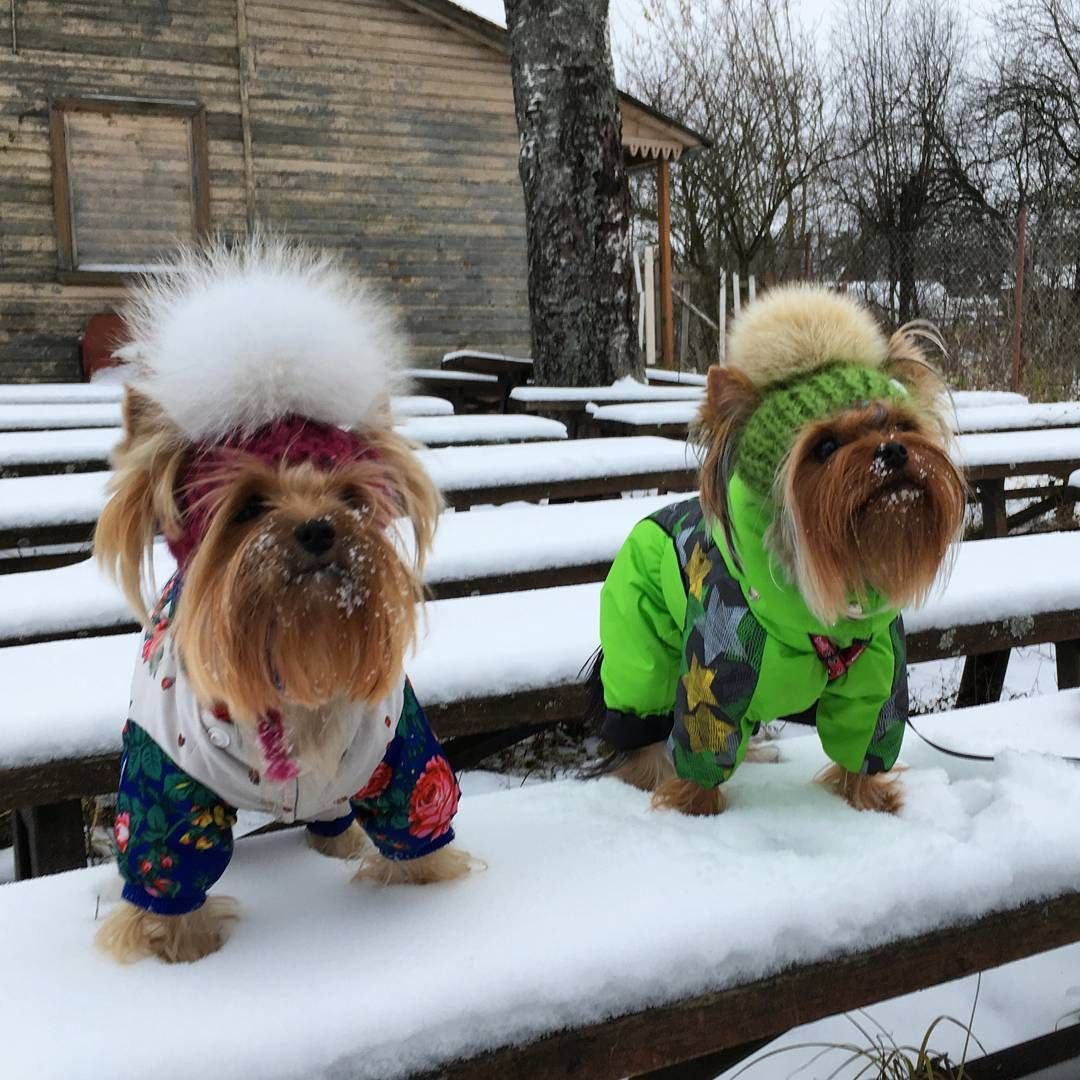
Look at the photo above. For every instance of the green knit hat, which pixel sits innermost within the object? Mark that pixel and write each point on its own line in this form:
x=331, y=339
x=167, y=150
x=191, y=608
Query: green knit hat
x=788, y=407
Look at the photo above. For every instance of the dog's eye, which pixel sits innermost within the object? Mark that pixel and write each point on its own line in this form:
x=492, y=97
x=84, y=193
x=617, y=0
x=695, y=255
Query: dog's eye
x=826, y=448
x=352, y=497
x=254, y=506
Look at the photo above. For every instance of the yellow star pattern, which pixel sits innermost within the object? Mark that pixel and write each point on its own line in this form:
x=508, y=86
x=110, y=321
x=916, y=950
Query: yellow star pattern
x=698, y=685
x=707, y=731
x=697, y=570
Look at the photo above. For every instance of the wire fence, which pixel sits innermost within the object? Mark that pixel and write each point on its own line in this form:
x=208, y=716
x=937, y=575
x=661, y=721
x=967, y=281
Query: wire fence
x=1003, y=327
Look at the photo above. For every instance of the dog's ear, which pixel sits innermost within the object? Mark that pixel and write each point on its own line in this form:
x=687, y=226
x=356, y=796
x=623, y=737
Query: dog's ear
x=730, y=398
x=146, y=464
x=908, y=364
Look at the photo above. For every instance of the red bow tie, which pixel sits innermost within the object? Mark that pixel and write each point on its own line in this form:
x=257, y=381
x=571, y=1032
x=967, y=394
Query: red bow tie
x=835, y=659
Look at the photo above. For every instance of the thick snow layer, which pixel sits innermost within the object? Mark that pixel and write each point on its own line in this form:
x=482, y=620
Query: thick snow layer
x=465, y=429
x=51, y=447
x=1016, y=448
x=682, y=378
x=473, y=354
x=438, y=375
x=973, y=399
x=409, y=978
x=623, y=390
x=646, y=414
x=52, y=500
x=476, y=466
x=61, y=415
x=59, y=393
x=83, y=715
x=420, y=405
x=1019, y=417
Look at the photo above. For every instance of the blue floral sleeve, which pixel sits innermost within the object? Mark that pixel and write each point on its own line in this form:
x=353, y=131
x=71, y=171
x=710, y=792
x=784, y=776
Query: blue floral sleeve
x=409, y=803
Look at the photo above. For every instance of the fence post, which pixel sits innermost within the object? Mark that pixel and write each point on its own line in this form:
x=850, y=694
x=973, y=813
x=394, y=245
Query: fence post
x=640, y=301
x=721, y=321
x=1018, y=299
x=736, y=295
x=751, y=283
x=650, y=309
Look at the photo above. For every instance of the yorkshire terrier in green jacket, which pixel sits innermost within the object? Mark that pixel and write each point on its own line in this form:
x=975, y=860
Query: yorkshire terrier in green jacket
x=828, y=502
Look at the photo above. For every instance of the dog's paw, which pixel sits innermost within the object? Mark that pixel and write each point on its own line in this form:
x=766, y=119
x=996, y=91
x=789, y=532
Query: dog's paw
x=762, y=753
x=645, y=768
x=130, y=933
x=351, y=844
x=688, y=798
x=882, y=793
x=443, y=865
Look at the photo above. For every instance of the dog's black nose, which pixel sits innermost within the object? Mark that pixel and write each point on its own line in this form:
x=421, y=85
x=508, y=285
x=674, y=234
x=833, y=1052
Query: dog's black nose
x=893, y=455
x=315, y=537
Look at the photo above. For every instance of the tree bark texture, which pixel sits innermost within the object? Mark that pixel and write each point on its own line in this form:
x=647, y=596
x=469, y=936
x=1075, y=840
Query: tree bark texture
x=577, y=202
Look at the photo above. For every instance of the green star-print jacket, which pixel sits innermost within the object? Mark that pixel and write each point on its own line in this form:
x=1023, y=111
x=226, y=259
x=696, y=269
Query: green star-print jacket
x=716, y=648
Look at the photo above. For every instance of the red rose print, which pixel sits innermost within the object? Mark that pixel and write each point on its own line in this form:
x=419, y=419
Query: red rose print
x=168, y=682
x=161, y=884
x=145, y=867
x=122, y=831
x=166, y=862
x=434, y=799
x=378, y=783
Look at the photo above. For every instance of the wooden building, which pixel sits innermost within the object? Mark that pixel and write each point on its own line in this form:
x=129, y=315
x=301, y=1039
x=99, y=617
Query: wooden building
x=383, y=128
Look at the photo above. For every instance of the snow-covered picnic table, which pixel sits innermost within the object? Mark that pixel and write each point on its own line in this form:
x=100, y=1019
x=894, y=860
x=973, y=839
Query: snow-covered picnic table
x=323, y=978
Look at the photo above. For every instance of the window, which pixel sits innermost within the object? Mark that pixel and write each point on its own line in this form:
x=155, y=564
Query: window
x=130, y=178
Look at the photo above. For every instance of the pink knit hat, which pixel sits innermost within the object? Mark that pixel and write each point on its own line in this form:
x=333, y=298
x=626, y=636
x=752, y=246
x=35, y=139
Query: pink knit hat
x=291, y=440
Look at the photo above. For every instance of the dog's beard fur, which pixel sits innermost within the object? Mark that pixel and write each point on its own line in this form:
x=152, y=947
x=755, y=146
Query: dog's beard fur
x=853, y=524
x=263, y=625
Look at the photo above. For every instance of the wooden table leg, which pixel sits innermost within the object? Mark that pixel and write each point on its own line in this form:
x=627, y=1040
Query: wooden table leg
x=983, y=679
x=48, y=839
x=1067, y=654
x=992, y=501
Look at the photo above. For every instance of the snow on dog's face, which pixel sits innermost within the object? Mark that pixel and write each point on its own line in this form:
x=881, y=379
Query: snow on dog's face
x=296, y=589
x=870, y=501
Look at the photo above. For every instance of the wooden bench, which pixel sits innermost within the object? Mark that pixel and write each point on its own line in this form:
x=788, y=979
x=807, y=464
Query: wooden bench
x=39, y=511
x=62, y=743
x=45, y=453
x=499, y=981
x=508, y=371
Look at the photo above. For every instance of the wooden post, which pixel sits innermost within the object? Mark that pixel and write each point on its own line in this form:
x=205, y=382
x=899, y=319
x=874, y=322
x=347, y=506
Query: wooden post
x=736, y=294
x=684, y=324
x=667, y=301
x=721, y=320
x=1018, y=296
x=48, y=839
x=640, y=302
x=751, y=283
x=650, y=309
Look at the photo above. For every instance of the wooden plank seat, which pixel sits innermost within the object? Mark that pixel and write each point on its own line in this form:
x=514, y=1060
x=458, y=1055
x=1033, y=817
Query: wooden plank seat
x=514, y=548
x=83, y=393
x=672, y=419
x=44, y=453
x=37, y=511
x=63, y=738
x=739, y=927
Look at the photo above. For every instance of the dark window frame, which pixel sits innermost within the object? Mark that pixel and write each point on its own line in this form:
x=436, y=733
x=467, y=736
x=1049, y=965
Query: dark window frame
x=68, y=271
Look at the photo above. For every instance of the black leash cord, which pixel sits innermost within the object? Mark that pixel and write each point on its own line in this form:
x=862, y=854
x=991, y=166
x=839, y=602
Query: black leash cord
x=975, y=757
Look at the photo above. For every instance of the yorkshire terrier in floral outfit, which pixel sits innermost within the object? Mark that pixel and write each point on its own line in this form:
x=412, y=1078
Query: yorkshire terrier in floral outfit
x=258, y=440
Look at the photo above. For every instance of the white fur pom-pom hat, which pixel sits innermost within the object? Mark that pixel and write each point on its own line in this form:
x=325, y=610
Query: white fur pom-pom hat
x=232, y=338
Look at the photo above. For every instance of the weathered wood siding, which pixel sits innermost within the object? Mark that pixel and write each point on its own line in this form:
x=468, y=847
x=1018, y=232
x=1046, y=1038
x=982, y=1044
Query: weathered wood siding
x=374, y=129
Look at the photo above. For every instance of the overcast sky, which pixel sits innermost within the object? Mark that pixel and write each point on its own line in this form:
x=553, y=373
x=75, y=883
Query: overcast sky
x=627, y=19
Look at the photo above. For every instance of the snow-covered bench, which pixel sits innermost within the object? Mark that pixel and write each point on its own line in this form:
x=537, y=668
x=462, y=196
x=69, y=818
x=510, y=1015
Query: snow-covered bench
x=672, y=419
x=514, y=548
x=37, y=511
x=78, y=450
x=602, y=940
x=104, y=412
x=65, y=697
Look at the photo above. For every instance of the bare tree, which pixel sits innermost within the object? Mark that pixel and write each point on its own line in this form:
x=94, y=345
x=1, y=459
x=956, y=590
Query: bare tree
x=898, y=84
x=745, y=74
x=577, y=203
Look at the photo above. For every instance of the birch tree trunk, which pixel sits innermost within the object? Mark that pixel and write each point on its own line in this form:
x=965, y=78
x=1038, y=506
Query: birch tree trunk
x=577, y=203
